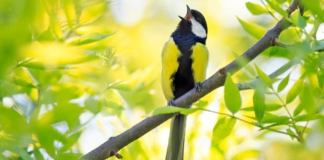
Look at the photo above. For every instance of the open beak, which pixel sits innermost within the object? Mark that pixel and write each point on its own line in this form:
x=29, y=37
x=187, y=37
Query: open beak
x=188, y=16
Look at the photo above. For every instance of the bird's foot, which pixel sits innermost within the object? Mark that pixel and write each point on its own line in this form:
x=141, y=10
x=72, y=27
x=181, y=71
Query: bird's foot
x=171, y=102
x=198, y=87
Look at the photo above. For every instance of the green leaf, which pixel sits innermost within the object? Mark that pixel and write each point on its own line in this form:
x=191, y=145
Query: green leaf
x=307, y=129
x=254, y=30
x=42, y=66
x=258, y=102
x=92, y=105
x=297, y=19
x=22, y=153
x=255, y=9
x=92, y=13
x=294, y=91
x=290, y=35
x=269, y=107
x=201, y=104
x=23, y=82
x=271, y=118
x=289, y=131
x=38, y=155
x=307, y=98
x=166, y=110
x=88, y=38
x=171, y=109
x=70, y=156
x=281, y=1
x=222, y=129
x=307, y=117
x=317, y=45
x=299, y=109
x=232, y=95
x=282, y=85
x=275, y=6
x=187, y=111
x=264, y=77
x=71, y=140
x=315, y=6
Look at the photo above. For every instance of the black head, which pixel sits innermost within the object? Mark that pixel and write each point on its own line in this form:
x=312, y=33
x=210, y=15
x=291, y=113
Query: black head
x=194, y=22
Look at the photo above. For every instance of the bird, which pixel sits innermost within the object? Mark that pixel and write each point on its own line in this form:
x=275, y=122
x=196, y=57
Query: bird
x=184, y=65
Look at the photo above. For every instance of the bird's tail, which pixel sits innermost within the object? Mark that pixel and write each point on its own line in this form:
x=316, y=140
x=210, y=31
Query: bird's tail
x=177, y=138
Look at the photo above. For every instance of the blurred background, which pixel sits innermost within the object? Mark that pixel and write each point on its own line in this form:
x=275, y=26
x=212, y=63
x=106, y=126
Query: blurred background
x=75, y=72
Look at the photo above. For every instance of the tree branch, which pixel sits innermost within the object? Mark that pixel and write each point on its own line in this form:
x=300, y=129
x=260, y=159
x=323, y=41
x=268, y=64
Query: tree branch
x=114, y=144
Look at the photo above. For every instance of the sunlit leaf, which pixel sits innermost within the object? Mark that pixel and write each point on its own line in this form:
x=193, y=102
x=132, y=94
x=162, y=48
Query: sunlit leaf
x=201, y=104
x=271, y=118
x=232, y=95
x=166, y=110
x=265, y=78
x=303, y=128
x=56, y=28
x=70, y=156
x=294, y=91
x=88, y=38
x=23, y=153
x=253, y=29
x=71, y=140
x=307, y=98
x=23, y=82
x=110, y=107
x=282, y=85
x=171, y=109
x=49, y=55
x=255, y=8
x=69, y=9
x=315, y=6
x=269, y=107
x=290, y=35
x=275, y=6
x=281, y=1
x=289, y=131
x=299, y=109
x=187, y=111
x=92, y=13
x=297, y=19
x=308, y=117
x=258, y=102
x=92, y=105
x=222, y=129
x=38, y=155
x=318, y=45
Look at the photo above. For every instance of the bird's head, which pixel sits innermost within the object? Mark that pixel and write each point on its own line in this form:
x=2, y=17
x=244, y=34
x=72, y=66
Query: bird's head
x=195, y=22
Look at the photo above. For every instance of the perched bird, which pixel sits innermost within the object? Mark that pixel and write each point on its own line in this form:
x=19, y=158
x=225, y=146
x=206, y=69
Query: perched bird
x=184, y=64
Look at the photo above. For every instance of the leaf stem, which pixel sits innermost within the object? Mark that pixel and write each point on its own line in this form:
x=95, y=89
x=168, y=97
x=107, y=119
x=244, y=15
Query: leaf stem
x=290, y=116
x=251, y=123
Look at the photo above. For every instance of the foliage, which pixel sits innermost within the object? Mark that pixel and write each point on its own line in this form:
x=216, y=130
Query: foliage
x=59, y=63
x=58, y=68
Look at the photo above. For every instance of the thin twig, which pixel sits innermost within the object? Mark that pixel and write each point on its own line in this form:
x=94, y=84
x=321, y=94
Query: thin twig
x=251, y=123
x=289, y=114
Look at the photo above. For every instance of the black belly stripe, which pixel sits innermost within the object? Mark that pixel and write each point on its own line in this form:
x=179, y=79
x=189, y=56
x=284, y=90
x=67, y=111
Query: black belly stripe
x=183, y=79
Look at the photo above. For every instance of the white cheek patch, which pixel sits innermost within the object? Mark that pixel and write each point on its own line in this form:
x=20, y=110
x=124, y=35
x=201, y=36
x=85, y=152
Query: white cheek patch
x=197, y=28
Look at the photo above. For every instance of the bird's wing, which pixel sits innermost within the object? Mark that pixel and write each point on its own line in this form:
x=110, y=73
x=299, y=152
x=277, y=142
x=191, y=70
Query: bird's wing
x=200, y=61
x=170, y=64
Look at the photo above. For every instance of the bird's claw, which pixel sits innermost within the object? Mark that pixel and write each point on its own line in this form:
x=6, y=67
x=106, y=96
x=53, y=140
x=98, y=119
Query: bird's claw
x=171, y=102
x=198, y=87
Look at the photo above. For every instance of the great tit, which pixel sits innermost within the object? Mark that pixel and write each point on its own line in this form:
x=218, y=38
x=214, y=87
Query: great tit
x=184, y=64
